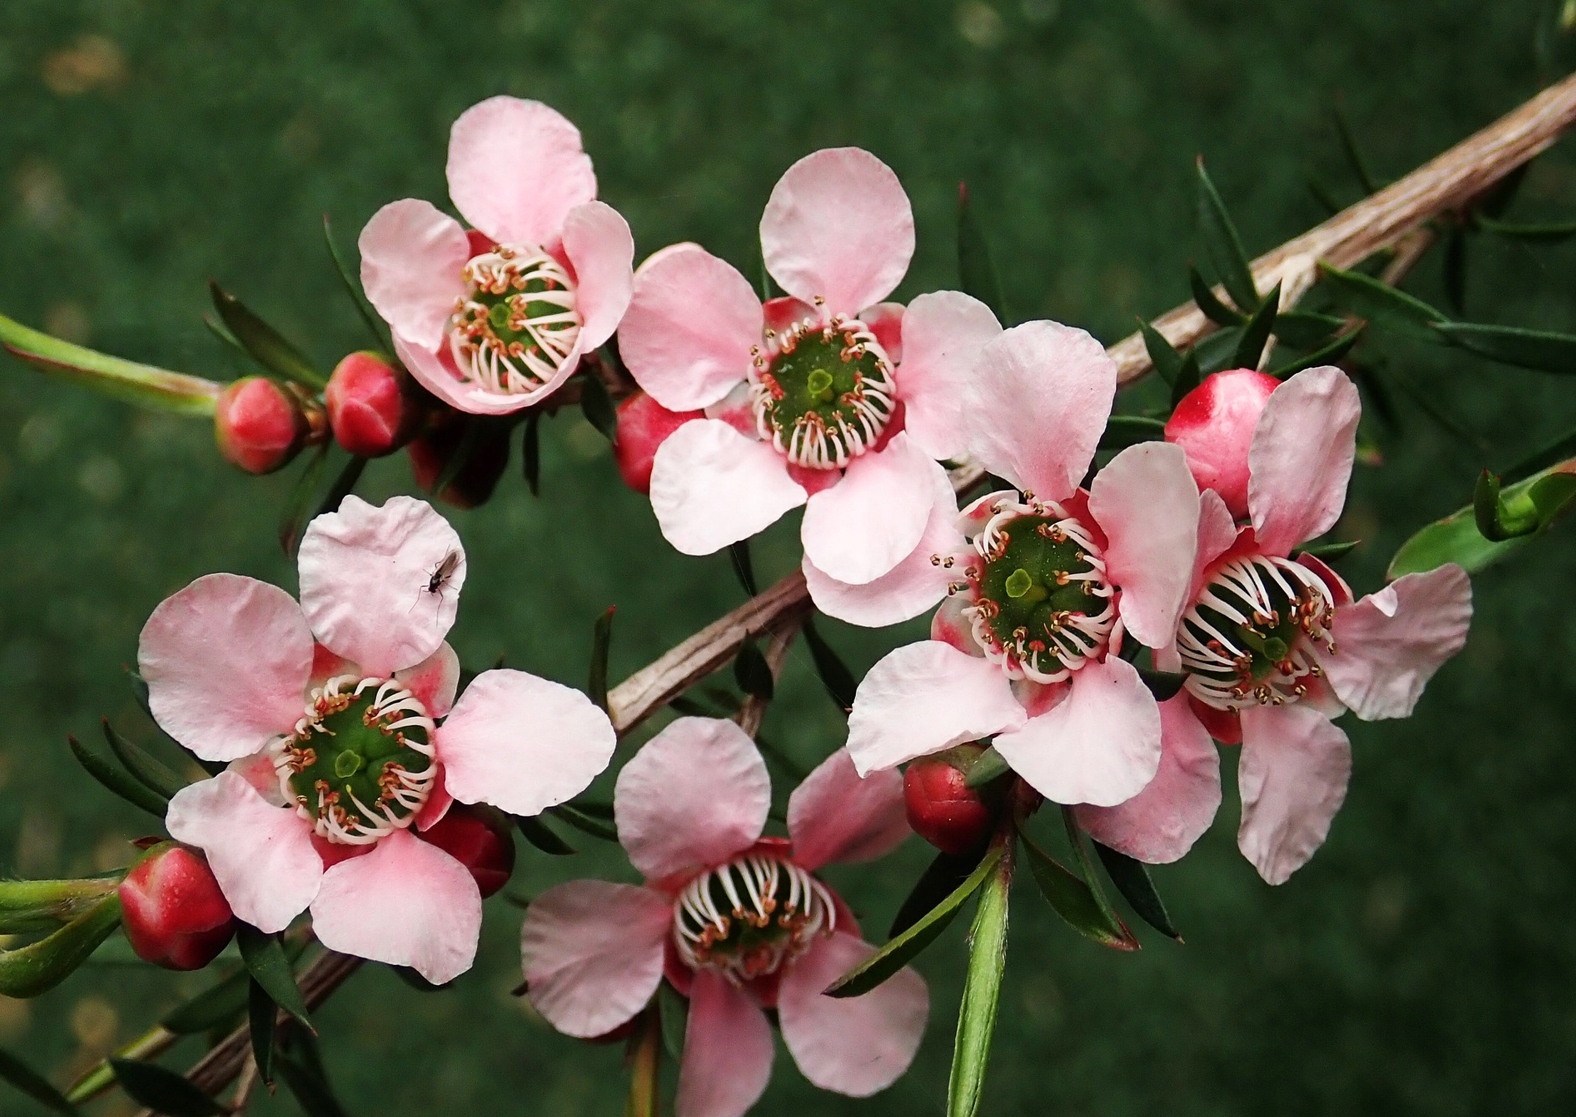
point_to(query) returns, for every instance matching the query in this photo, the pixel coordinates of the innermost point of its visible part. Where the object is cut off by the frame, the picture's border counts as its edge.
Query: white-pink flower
(328, 713)
(739, 923)
(494, 319)
(1045, 583)
(828, 397)
(1274, 647)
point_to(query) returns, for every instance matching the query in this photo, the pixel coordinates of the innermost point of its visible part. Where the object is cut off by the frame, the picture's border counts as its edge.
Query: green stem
(37, 968)
(645, 1063)
(982, 985)
(43, 905)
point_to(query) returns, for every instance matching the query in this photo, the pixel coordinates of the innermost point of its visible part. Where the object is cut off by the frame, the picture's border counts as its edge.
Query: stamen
(519, 324)
(822, 394)
(752, 943)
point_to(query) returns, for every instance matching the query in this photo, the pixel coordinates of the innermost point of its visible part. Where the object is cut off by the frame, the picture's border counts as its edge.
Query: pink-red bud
(373, 408)
(1214, 425)
(479, 838)
(260, 425)
(643, 424)
(942, 809)
(174, 914)
(478, 477)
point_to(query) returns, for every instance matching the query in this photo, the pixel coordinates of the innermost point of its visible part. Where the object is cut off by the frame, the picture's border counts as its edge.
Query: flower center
(359, 764)
(517, 325)
(1042, 604)
(1243, 641)
(822, 394)
(748, 917)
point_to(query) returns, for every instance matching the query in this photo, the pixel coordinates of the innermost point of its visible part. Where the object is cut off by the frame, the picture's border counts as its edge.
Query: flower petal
(365, 573)
(516, 169)
(1389, 644)
(712, 486)
(1147, 504)
(694, 796)
(1161, 822)
(1301, 458)
(412, 255)
(1100, 745)
(923, 698)
(593, 953)
(261, 855)
(434, 680)
(601, 249)
(943, 335)
(522, 743)
(1037, 402)
(855, 1045)
(727, 1051)
(1217, 531)
(226, 661)
(438, 378)
(835, 816)
(690, 327)
(407, 903)
(1292, 776)
(872, 519)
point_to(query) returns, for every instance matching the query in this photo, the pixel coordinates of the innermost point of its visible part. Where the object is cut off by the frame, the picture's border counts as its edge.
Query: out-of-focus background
(1422, 963)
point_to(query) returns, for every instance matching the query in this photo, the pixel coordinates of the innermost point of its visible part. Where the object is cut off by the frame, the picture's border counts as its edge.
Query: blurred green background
(1422, 963)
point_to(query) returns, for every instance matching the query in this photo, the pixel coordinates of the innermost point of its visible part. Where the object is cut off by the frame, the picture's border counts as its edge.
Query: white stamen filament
(703, 932)
(521, 365)
(810, 441)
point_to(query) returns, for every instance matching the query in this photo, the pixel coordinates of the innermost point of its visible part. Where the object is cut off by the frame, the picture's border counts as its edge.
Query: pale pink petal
(407, 903)
(1389, 644)
(601, 249)
(1147, 504)
(871, 520)
(522, 743)
(923, 698)
(437, 805)
(694, 796)
(839, 227)
(434, 680)
(365, 577)
(1161, 822)
(1037, 403)
(411, 258)
(712, 486)
(854, 1045)
(516, 169)
(727, 1051)
(1217, 531)
(1100, 745)
(1301, 458)
(261, 855)
(1292, 777)
(593, 953)
(943, 334)
(431, 372)
(226, 661)
(886, 322)
(836, 816)
(973, 517)
(689, 329)
(950, 625)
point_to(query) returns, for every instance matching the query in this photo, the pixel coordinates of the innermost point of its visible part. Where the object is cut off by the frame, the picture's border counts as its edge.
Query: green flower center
(518, 324)
(750, 916)
(822, 395)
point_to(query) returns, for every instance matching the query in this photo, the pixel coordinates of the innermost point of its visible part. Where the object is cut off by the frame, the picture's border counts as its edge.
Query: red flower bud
(172, 909)
(261, 425)
(1214, 425)
(481, 839)
(478, 477)
(941, 809)
(643, 424)
(373, 408)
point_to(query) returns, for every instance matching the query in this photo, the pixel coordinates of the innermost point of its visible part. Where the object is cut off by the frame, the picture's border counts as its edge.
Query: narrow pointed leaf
(675, 1019)
(977, 273)
(743, 566)
(1550, 454)
(1329, 355)
(301, 1067)
(981, 993)
(596, 827)
(211, 1008)
(118, 781)
(1354, 157)
(1162, 684)
(597, 405)
(1204, 296)
(752, 672)
(1553, 233)
(531, 452)
(1304, 329)
(1223, 244)
(1133, 881)
(1188, 377)
(1074, 900)
(148, 771)
(262, 1015)
(537, 832)
(1542, 350)
(1330, 552)
(266, 345)
(1122, 431)
(835, 675)
(1381, 304)
(344, 484)
(1456, 537)
(353, 290)
(219, 330)
(988, 766)
(1250, 347)
(1162, 354)
(591, 807)
(1216, 352)
(40, 966)
(601, 641)
(162, 1090)
(293, 522)
(33, 1084)
(265, 960)
(939, 880)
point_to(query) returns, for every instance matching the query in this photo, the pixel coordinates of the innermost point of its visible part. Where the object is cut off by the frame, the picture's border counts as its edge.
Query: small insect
(439, 575)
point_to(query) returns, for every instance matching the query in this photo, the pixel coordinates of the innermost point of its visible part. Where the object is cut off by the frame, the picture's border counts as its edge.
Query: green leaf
(1223, 244)
(1303, 329)
(130, 381)
(1354, 157)
(977, 273)
(1132, 880)
(149, 772)
(265, 344)
(1074, 900)
(1257, 332)
(1215, 352)
(1381, 304)
(1540, 459)
(531, 452)
(597, 406)
(1456, 537)
(1551, 496)
(40, 966)
(752, 672)
(1162, 684)
(981, 992)
(266, 962)
(675, 1019)
(601, 641)
(1455, 271)
(293, 522)
(1122, 431)
(1330, 354)
(987, 767)
(1188, 377)
(216, 1005)
(163, 1091)
(1162, 354)
(537, 832)
(1204, 296)
(353, 290)
(1330, 552)
(262, 1015)
(596, 827)
(220, 331)
(905, 947)
(117, 781)
(343, 486)
(1322, 197)
(301, 1067)
(743, 567)
(939, 880)
(834, 673)
(33, 1084)
(1553, 233)
(1541, 350)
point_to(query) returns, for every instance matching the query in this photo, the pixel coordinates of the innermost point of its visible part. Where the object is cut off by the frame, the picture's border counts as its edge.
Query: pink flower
(495, 319)
(1045, 582)
(328, 715)
(828, 398)
(738, 922)
(1274, 647)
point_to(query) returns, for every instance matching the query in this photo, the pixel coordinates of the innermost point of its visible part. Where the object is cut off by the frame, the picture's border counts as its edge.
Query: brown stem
(776, 654)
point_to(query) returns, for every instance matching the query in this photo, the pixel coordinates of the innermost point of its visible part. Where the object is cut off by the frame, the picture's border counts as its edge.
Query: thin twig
(753, 712)
(245, 1084)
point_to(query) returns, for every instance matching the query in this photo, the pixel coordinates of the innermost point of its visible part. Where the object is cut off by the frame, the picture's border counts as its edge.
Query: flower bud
(942, 809)
(174, 914)
(1214, 425)
(261, 425)
(488, 456)
(643, 424)
(373, 408)
(481, 839)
